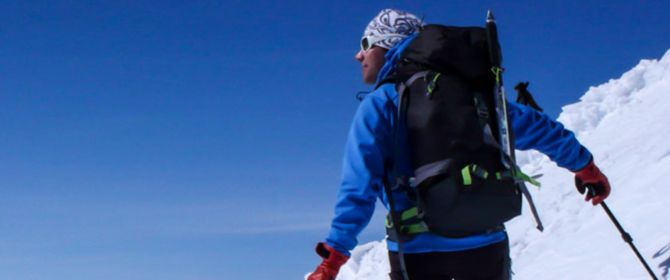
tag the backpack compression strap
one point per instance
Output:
(411, 220)
(472, 169)
(515, 171)
(412, 223)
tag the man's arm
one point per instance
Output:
(536, 130)
(362, 172)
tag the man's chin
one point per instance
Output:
(369, 80)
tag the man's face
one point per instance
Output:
(371, 61)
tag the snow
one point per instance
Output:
(367, 261)
(626, 125)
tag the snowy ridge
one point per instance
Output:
(608, 98)
(626, 125)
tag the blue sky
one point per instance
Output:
(203, 140)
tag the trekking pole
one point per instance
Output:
(625, 235)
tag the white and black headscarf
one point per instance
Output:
(390, 26)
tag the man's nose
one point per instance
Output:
(359, 56)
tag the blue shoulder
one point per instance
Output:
(536, 130)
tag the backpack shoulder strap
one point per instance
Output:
(402, 86)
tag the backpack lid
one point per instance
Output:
(448, 49)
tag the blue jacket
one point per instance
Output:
(370, 145)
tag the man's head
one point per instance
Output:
(385, 31)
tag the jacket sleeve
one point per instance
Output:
(535, 130)
(362, 173)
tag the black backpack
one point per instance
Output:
(447, 117)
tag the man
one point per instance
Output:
(370, 148)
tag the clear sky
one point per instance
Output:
(203, 139)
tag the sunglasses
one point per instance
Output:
(369, 41)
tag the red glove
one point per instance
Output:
(332, 261)
(591, 178)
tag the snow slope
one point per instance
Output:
(626, 124)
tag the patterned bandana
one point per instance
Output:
(388, 28)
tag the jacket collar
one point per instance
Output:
(392, 57)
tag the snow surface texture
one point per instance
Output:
(626, 125)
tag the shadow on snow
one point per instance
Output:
(665, 265)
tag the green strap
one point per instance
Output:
(473, 169)
(409, 213)
(415, 228)
(465, 173)
(524, 177)
(469, 170)
(504, 174)
(496, 72)
(433, 83)
(519, 175)
(404, 216)
(481, 172)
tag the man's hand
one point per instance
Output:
(332, 261)
(592, 180)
